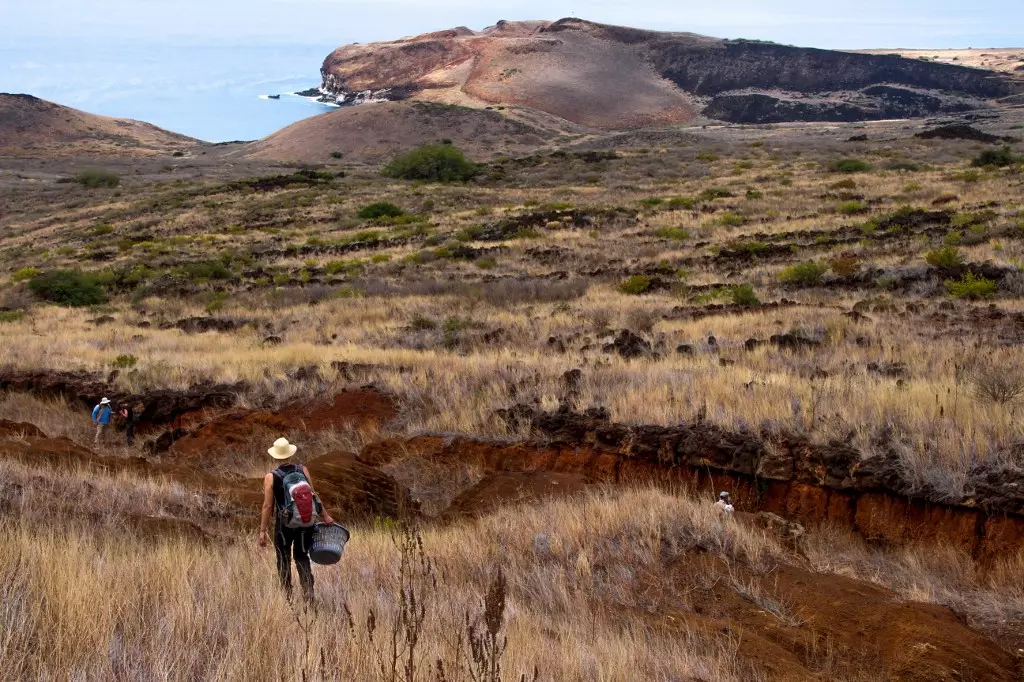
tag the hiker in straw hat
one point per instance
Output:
(101, 415)
(288, 492)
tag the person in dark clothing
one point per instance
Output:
(289, 543)
(131, 414)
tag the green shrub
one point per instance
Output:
(849, 166)
(851, 207)
(635, 285)
(971, 286)
(682, 202)
(124, 362)
(11, 315)
(676, 233)
(336, 155)
(731, 220)
(712, 193)
(205, 270)
(847, 183)
(945, 257)
(754, 194)
(707, 156)
(433, 163)
(68, 287)
(97, 177)
(743, 294)
(651, 201)
(808, 273)
(996, 157)
(24, 274)
(380, 258)
(487, 263)
(380, 209)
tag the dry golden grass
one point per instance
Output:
(106, 606)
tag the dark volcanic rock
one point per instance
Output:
(629, 345)
(959, 131)
(199, 325)
(793, 342)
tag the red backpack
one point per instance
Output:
(301, 508)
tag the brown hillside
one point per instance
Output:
(30, 126)
(377, 131)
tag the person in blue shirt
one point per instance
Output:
(101, 415)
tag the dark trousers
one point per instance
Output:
(129, 433)
(295, 542)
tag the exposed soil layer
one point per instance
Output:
(505, 488)
(781, 473)
(351, 489)
(800, 625)
(236, 431)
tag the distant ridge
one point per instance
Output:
(30, 126)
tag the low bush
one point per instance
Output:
(380, 209)
(743, 294)
(97, 177)
(124, 362)
(71, 288)
(712, 193)
(641, 320)
(651, 201)
(1003, 156)
(852, 207)
(433, 163)
(676, 233)
(204, 271)
(635, 285)
(945, 257)
(849, 166)
(971, 286)
(844, 267)
(682, 202)
(808, 273)
(11, 315)
(731, 220)
(24, 274)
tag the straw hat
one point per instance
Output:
(282, 449)
(105, 401)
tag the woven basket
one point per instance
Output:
(328, 543)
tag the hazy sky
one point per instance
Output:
(834, 24)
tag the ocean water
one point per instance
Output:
(216, 93)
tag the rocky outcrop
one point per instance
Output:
(613, 77)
